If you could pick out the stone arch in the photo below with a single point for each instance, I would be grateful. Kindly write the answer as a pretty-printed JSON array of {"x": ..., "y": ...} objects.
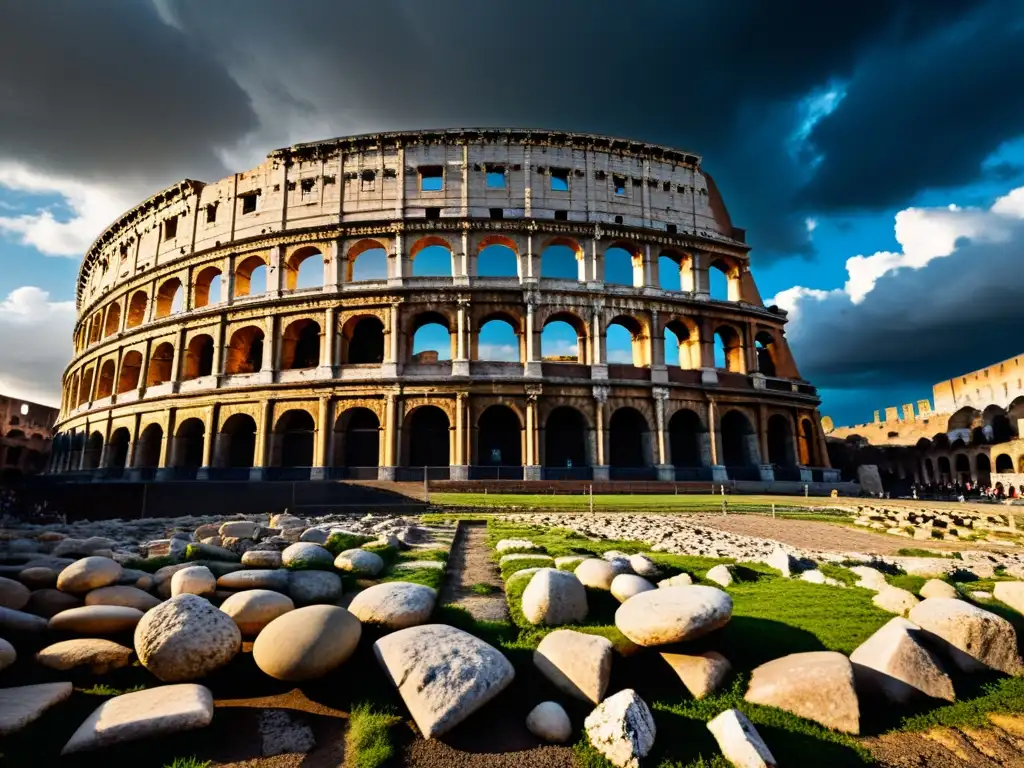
[
  {"x": 105, "y": 385},
  {"x": 731, "y": 271},
  {"x": 300, "y": 344},
  {"x": 941, "y": 441},
  {"x": 499, "y": 437},
  {"x": 496, "y": 256},
  {"x": 929, "y": 471},
  {"x": 244, "y": 273},
  {"x": 294, "y": 273},
  {"x": 426, "y": 437},
  {"x": 964, "y": 418},
  {"x": 729, "y": 349},
  {"x": 432, "y": 241},
  {"x": 137, "y": 309},
  {"x": 113, "y": 321},
  {"x": 576, "y": 323},
  {"x": 204, "y": 284},
  {"x": 160, "y": 362},
  {"x": 808, "y": 443},
  {"x": 93, "y": 451},
  {"x": 962, "y": 464},
  {"x": 638, "y": 336},
  {"x": 1004, "y": 463},
  {"x": 364, "y": 259},
  {"x": 430, "y": 320},
  {"x": 147, "y": 452},
  {"x": 169, "y": 297},
  {"x": 236, "y": 442},
  {"x": 245, "y": 351},
  {"x": 680, "y": 265},
  {"x": 566, "y": 436},
  {"x": 362, "y": 340},
  {"x": 687, "y": 439},
  {"x": 764, "y": 344},
  {"x": 294, "y": 438},
  {"x": 357, "y": 438},
  {"x": 198, "y": 357},
  {"x": 508, "y": 344},
  {"x": 117, "y": 450},
  {"x": 85, "y": 391},
  {"x": 189, "y": 439},
  {"x": 96, "y": 327},
  {"x": 71, "y": 396},
  {"x": 131, "y": 371},
  {"x": 739, "y": 440},
  {"x": 1015, "y": 412},
  {"x": 556, "y": 259},
  {"x": 684, "y": 333},
  {"x": 997, "y": 424},
  {"x": 983, "y": 466},
  {"x": 629, "y": 439},
  {"x": 780, "y": 441}
]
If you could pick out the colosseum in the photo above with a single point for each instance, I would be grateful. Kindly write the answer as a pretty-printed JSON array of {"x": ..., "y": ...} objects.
[{"x": 277, "y": 324}]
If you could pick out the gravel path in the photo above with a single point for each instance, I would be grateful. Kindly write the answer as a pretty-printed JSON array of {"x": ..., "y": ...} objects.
[{"x": 470, "y": 563}]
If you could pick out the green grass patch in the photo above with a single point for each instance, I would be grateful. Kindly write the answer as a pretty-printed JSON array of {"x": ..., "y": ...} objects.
[
  {"x": 149, "y": 564},
  {"x": 101, "y": 689},
  {"x": 189, "y": 762},
  {"x": 338, "y": 542},
  {"x": 368, "y": 742},
  {"x": 914, "y": 552},
  {"x": 507, "y": 569},
  {"x": 431, "y": 577},
  {"x": 438, "y": 555},
  {"x": 906, "y": 581},
  {"x": 482, "y": 588},
  {"x": 1006, "y": 696},
  {"x": 843, "y": 575},
  {"x": 657, "y": 503}
]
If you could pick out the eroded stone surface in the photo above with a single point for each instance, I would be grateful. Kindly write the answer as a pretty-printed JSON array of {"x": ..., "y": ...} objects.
[
  {"x": 895, "y": 662},
  {"x": 817, "y": 685},
  {"x": 394, "y": 604},
  {"x": 739, "y": 741},
  {"x": 578, "y": 664},
  {"x": 24, "y": 704},
  {"x": 554, "y": 597},
  {"x": 972, "y": 637},
  {"x": 186, "y": 638},
  {"x": 673, "y": 614},
  {"x": 307, "y": 643},
  {"x": 99, "y": 655},
  {"x": 622, "y": 729}
]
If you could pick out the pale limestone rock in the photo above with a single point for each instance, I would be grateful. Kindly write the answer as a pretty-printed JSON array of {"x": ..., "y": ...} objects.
[
  {"x": 701, "y": 673},
  {"x": 261, "y": 558},
  {"x": 817, "y": 685},
  {"x": 895, "y": 600},
  {"x": 276, "y": 580},
  {"x": 1011, "y": 593},
  {"x": 96, "y": 619},
  {"x": 442, "y": 674},
  {"x": 642, "y": 565},
  {"x": 196, "y": 580},
  {"x": 506, "y": 544},
  {"x": 307, "y": 643},
  {"x": 578, "y": 664},
  {"x": 622, "y": 729},
  {"x": 100, "y": 656},
  {"x": 239, "y": 529},
  {"x": 8, "y": 655},
  {"x": 13, "y": 594},
  {"x": 596, "y": 574},
  {"x": 253, "y": 609},
  {"x": 548, "y": 721},
  {"x": 186, "y": 638},
  {"x": 938, "y": 588},
  {"x": 310, "y": 587},
  {"x": 893, "y": 661},
  {"x": 144, "y": 714},
  {"x": 88, "y": 574},
  {"x": 359, "y": 562},
  {"x": 739, "y": 741},
  {"x": 394, "y": 604},
  {"x": 721, "y": 575},
  {"x": 525, "y": 573},
  {"x": 679, "y": 580},
  {"x": 626, "y": 585},
  {"x": 305, "y": 555},
  {"x": 973, "y": 638},
  {"x": 813, "y": 576},
  {"x": 673, "y": 615},
  {"x": 205, "y": 531},
  {"x": 554, "y": 597},
  {"x": 25, "y": 704},
  {"x": 129, "y": 597},
  {"x": 781, "y": 560}
]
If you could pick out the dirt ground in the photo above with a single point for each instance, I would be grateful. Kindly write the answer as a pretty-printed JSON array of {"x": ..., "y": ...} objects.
[{"x": 470, "y": 563}]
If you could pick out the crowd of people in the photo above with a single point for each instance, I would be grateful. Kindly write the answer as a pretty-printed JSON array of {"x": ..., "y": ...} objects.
[{"x": 967, "y": 491}]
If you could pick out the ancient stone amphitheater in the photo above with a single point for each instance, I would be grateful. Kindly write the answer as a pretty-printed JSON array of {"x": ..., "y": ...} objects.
[{"x": 275, "y": 324}]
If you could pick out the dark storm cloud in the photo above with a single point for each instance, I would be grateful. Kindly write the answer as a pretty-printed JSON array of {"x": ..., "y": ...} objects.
[{"x": 105, "y": 90}]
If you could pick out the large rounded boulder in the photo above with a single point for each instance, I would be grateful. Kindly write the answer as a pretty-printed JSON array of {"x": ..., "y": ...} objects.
[
  {"x": 186, "y": 638},
  {"x": 307, "y": 643},
  {"x": 312, "y": 587},
  {"x": 304, "y": 556},
  {"x": 596, "y": 573},
  {"x": 673, "y": 614},
  {"x": 253, "y": 609},
  {"x": 394, "y": 604},
  {"x": 88, "y": 574},
  {"x": 554, "y": 597},
  {"x": 359, "y": 562},
  {"x": 129, "y": 597}
]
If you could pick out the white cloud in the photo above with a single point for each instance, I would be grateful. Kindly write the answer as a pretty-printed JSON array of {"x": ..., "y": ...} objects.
[
  {"x": 501, "y": 353},
  {"x": 811, "y": 223},
  {"x": 35, "y": 334}
]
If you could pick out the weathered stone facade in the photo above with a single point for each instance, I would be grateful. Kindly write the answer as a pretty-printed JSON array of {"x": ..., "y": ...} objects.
[
  {"x": 323, "y": 381},
  {"x": 26, "y": 429}
]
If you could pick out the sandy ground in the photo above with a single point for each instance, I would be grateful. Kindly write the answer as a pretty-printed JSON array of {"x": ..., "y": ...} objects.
[{"x": 470, "y": 563}]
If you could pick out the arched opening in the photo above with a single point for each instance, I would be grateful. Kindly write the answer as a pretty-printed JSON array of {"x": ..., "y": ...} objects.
[
  {"x": 432, "y": 340},
  {"x": 93, "y": 451},
  {"x": 301, "y": 270},
  {"x": 113, "y": 323},
  {"x": 431, "y": 257},
  {"x": 357, "y": 440},
  {"x": 188, "y": 444},
  {"x": 367, "y": 260},
  {"x": 236, "y": 443},
  {"x": 85, "y": 390},
  {"x": 984, "y": 468},
  {"x": 499, "y": 438},
  {"x": 764, "y": 344},
  {"x": 198, "y": 357},
  {"x": 964, "y": 419},
  {"x": 1014, "y": 414},
  {"x": 780, "y": 444},
  {"x": 565, "y": 439},
  {"x": 427, "y": 437},
  {"x": 131, "y": 371},
  {"x": 117, "y": 452},
  {"x": 363, "y": 341},
  {"x": 669, "y": 273},
  {"x": 929, "y": 471},
  {"x": 147, "y": 452},
  {"x": 137, "y": 309},
  {"x": 682, "y": 345},
  {"x": 728, "y": 349},
  {"x": 629, "y": 441},
  {"x": 618, "y": 266},
  {"x": 963, "y": 468},
  {"x": 300, "y": 345},
  {"x": 997, "y": 424},
  {"x": 561, "y": 260},
  {"x": 160, "y": 362},
  {"x": 250, "y": 276},
  {"x": 563, "y": 339},
  {"x": 245, "y": 351},
  {"x": 941, "y": 441},
  {"x": 294, "y": 432},
  {"x": 979, "y": 436},
  {"x": 1003, "y": 463},
  {"x": 207, "y": 288},
  {"x": 105, "y": 386},
  {"x": 686, "y": 442},
  {"x": 497, "y": 260},
  {"x": 723, "y": 281},
  {"x": 498, "y": 341},
  {"x": 626, "y": 341},
  {"x": 945, "y": 472},
  {"x": 739, "y": 446},
  {"x": 808, "y": 444},
  {"x": 169, "y": 299},
  {"x": 95, "y": 327}
]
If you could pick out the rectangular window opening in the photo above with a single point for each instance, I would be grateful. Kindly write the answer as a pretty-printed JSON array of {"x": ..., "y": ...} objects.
[
  {"x": 171, "y": 228},
  {"x": 431, "y": 178},
  {"x": 559, "y": 179},
  {"x": 306, "y": 187},
  {"x": 672, "y": 229},
  {"x": 561, "y": 216},
  {"x": 620, "y": 184},
  {"x": 124, "y": 251},
  {"x": 367, "y": 181},
  {"x": 618, "y": 219},
  {"x": 433, "y": 213},
  {"x": 497, "y": 213},
  {"x": 249, "y": 203},
  {"x": 495, "y": 177},
  {"x": 211, "y": 213}
]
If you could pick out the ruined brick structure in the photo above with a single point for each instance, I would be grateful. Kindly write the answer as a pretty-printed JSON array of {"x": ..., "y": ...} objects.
[
  {"x": 187, "y": 364},
  {"x": 26, "y": 429}
]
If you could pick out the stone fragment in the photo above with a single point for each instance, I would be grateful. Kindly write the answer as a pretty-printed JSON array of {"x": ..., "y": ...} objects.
[
  {"x": 239, "y": 529},
  {"x": 38, "y": 577},
  {"x": 701, "y": 673},
  {"x": 261, "y": 558},
  {"x": 253, "y": 609},
  {"x": 186, "y": 638},
  {"x": 394, "y": 604},
  {"x": 285, "y": 520},
  {"x": 720, "y": 574},
  {"x": 554, "y": 597},
  {"x": 548, "y": 721},
  {"x": 894, "y": 662},
  {"x": 782, "y": 561},
  {"x": 88, "y": 574},
  {"x": 304, "y": 555},
  {"x": 307, "y": 643},
  {"x": 739, "y": 741},
  {"x": 509, "y": 544},
  {"x": 642, "y": 565},
  {"x": 8, "y": 655},
  {"x": 972, "y": 637},
  {"x": 144, "y": 714},
  {"x": 282, "y": 733},
  {"x": 13, "y": 594},
  {"x": 626, "y": 585},
  {"x": 129, "y": 597},
  {"x": 673, "y": 615},
  {"x": 96, "y": 619},
  {"x": 82, "y": 547},
  {"x": 309, "y": 587},
  {"x": 520, "y": 575},
  {"x": 49, "y": 602},
  {"x": 679, "y": 580},
  {"x": 938, "y": 588},
  {"x": 314, "y": 535},
  {"x": 206, "y": 530},
  {"x": 622, "y": 729},
  {"x": 578, "y": 664},
  {"x": 442, "y": 674},
  {"x": 813, "y": 576},
  {"x": 359, "y": 562},
  {"x": 25, "y": 704},
  {"x": 99, "y": 655},
  {"x": 1011, "y": 593},
  {"x": 895, "y": 600},
  {"x": 596, "y": 573},
  {"x": 817, "y": 685},
  {"x": 208, "y": 551},
  {"x": 276, "y": 580},
  {"x": 196, "y": 580}
]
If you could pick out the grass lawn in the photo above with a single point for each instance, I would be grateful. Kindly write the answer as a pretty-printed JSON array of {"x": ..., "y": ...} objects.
[
  {"x": 367, "y": 741},
  {"x": 621, "y": 502}
]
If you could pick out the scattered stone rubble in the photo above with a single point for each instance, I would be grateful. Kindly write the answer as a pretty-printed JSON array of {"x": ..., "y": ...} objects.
[{"x": 924, "y": 524}]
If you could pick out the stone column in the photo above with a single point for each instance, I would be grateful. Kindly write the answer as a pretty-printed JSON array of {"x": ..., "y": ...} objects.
[
  {"x": 270, "y": 357},
  {"x": 666, "y": 472},
  {"x": 600, "y": 400},
  {"x": 460, "y": 469},
  {"x": 533, "y": 358},
  {"x": 461, "y": 273},
  {"x": 320, "y": 458},
  {"x": 328, "y": 342},
  {"x": 227, "y": 281},
  {"x": 275, "y": 273},
  {"x": 332, "y": 268},
  {"x": 391, "y": 366},
  {"x": 460, "y": 365},
  {"x": 386, "y": 471},
  {"x": 819, "y": 438},
  {"x": 396, "y": 273},
  {"x": 531, "y": 468},
  {"x": 263, "y": 442},
  {"x": 598, "y": 342},
  {"x": 166, "y": 460},
  {"x": 209, "y": 441},
  {"x": 718, "y": 473},
  {"x": 701, "y": 284},
  {"x": 179, "y": 353}
]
